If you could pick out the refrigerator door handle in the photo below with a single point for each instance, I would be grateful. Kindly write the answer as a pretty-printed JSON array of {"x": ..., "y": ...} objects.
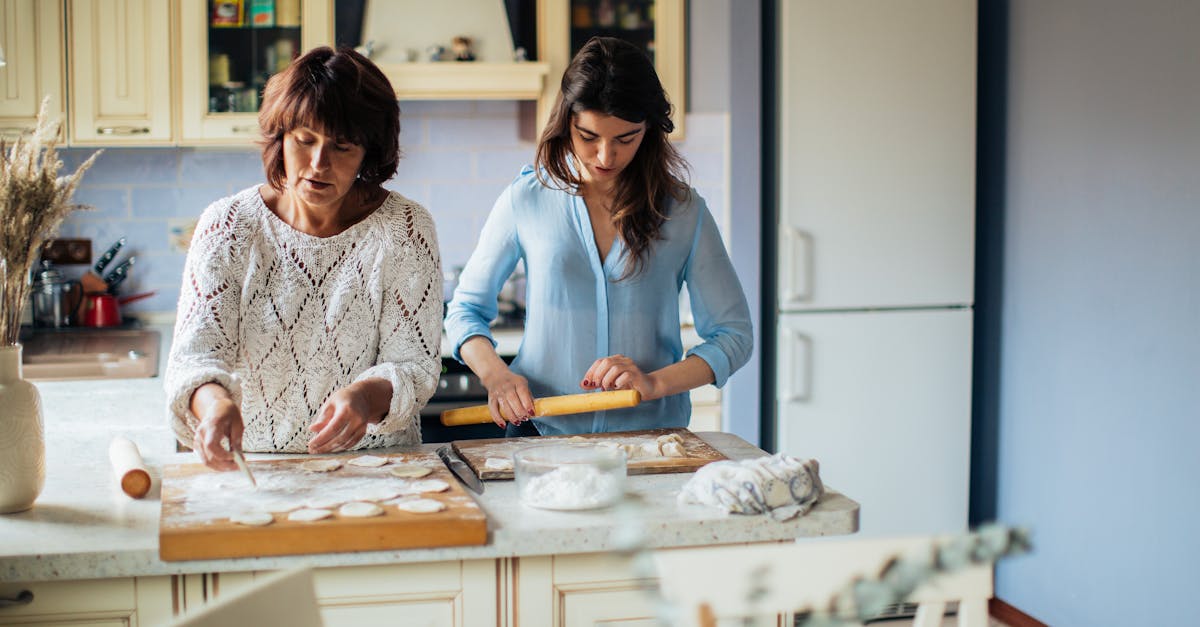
[
  {"x": 797, "y": 384},
  {"x": 797, "y": 271}
]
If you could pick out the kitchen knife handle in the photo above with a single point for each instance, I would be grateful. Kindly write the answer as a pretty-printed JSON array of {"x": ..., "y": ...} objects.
[
  {"x": 549, "y": 406},
  {"x": 120, "y": 273},
  {"x": 107, "y": 257},
  {"x": 128, "y": 467}
]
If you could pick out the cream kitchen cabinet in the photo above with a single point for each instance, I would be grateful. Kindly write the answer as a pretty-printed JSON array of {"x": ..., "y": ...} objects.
[
  {"x": 98, "y": 602},
  {"x": 449, "y": 594},
  {"x": 31, "y": 35},
  {"x": 119, "y": 72},
  {"x": 659, "y": 26},
  {"x": 223, "y": 67},
  {"x": 706, "y": 409},
  {"x": 582, "y": 590}
]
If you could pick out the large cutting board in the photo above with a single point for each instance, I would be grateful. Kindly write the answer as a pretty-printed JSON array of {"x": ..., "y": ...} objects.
[
  {"x": 196, "y": 504},
  {"x": 476, "y": 452}
]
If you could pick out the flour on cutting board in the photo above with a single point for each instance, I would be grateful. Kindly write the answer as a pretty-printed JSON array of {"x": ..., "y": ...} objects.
[
  {"x": 498, "y": 455},
  {"x": 209, "y": 497}
]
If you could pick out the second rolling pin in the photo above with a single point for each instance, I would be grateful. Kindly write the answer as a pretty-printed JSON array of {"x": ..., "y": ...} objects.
[
  {"x": 130, "y": 470},
  {"x": 549, "y": 406}
]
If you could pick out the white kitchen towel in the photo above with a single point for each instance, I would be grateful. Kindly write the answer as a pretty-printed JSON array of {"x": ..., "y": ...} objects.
[{"x": 781, "y": 485}]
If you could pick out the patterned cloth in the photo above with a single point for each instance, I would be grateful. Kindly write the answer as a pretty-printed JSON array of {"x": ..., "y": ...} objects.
[
  {"x": 780, "y": 485},
  {"x": 283, "y": 319}
]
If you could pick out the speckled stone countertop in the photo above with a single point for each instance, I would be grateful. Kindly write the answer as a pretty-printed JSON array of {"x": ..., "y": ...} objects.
[{"x": 82, "y": 526}]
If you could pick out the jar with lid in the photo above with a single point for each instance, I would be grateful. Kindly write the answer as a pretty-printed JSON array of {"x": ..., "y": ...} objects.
[{"x": 55, "y": 298}]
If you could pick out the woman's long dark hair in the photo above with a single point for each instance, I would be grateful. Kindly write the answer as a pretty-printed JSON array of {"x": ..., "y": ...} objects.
[{"x": 614, "y": 77}]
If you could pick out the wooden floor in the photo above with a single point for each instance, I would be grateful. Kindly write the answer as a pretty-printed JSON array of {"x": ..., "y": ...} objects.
[{"x": 949, "y": 621}]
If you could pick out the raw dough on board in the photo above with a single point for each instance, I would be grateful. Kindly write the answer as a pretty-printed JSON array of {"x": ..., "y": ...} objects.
[
  {"x": 360, "y": 509},
  {"x": 498, "y": 463},
  {"x": 421, "y": 506},
  {"x": 410, "y": 471},
  {"x": 309, "y": 515},
  {"x": 253, "y": 519},
  {"x": 321, "y": 465},
  {"x": 368, "y": 461}
]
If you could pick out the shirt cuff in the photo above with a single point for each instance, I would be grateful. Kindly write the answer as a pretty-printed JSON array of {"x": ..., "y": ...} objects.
[{"x": 716, "y": 359}]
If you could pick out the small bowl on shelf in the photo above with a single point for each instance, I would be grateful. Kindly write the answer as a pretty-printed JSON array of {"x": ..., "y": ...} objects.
[{"x": 572, "y": 476}]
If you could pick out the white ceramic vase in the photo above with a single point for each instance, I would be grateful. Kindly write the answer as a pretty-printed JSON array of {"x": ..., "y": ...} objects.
[{"x": 22, "y": 440}]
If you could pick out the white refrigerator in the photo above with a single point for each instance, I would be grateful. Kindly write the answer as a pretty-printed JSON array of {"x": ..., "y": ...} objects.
[{"x": 876, "y": 169}]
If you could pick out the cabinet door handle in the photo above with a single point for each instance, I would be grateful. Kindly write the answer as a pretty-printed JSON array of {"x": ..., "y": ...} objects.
[
  {"x": 24, "y": 597},
  {"x": 797, "y": 387},
  {"x": 123, "y": 130},
  {"x": 252, "y": 128},
  {"x": 15, "y": 130},
  {"x": 797, "y": 267}
]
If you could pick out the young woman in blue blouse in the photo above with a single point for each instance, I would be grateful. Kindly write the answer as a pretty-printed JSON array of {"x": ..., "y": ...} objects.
[{"x": 609, "y": 232}]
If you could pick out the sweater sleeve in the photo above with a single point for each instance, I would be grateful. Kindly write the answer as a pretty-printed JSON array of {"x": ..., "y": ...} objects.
[
  {"x": 410, "y": 323},
  {"x": 205, "y": 343},
  {"x": 718, "y": 301}
]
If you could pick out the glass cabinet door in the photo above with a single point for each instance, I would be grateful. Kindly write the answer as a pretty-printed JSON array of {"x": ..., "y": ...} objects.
[
  {"x": 631, "y": 20},
  {"x": 655, "y": 26},
  {"x": 230, "y": 48}
]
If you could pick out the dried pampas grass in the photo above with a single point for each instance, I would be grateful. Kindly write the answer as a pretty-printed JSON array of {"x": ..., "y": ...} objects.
[{"x": 34, "y": 200}]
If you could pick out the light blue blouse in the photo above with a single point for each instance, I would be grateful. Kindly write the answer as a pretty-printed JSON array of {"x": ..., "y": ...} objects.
[{"x": 577, "y": 311}]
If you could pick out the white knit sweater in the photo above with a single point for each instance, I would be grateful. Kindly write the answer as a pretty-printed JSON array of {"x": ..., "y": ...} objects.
[{"x": 283, "y": 319}]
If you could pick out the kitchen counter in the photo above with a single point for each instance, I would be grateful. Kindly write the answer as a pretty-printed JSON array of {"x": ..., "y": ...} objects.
[{"x": 83, "y": 527}]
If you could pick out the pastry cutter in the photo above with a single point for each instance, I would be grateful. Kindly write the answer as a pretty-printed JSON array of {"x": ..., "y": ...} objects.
[{"x": 549, "y": 406}]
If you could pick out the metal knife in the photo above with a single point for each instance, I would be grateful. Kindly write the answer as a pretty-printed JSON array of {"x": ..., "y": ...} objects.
[
  {"x": 107, "y": 257},
  {"x": 118, "y": 274},
  {"x": 241, "y": 463},
  {"x": 460, "y": 469}
]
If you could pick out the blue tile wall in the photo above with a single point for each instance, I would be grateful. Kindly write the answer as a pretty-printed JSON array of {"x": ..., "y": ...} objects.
[{"x": 458, "y": 156}]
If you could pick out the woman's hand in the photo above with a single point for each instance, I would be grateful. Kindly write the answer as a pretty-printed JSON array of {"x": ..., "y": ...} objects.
[
  {"x": 508, "y": 394},
  {"x": 343, "y": 417},
  {"x": 618, "y": 372},
  {"x": 220, "y": 422}
]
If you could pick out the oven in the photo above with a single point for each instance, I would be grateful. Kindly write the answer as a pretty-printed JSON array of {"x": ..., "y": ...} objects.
[{"x": 457, "y": 387}]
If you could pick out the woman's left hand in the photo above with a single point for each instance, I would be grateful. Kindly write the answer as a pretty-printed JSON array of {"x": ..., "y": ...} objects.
[
  {"x": 618, "y": 372},
  {"x": 341, "y": 422}
]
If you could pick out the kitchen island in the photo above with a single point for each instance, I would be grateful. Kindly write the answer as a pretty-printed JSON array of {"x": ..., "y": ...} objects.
[{"x": 87, "y": 550}]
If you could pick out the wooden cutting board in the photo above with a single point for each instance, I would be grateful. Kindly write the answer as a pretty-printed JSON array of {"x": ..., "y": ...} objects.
[
  {"x": 476, "y": 452},
  {"x": 197, "y": 503}
]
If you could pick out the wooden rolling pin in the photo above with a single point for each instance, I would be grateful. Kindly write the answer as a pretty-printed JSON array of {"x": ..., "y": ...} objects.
[
  {"x": 128, "y": 467},
  {"x": 549, "y": 406}
]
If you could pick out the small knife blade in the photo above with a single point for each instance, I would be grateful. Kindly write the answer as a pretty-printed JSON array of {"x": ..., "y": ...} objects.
[
  {"x": 460, "y": 469},
  {"x": 241, "y": 464}
]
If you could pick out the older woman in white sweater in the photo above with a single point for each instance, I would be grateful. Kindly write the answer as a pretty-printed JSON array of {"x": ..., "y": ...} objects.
[{"x": 311, "y": 307}]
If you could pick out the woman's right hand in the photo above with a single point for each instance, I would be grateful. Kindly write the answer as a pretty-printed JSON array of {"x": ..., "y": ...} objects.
[
  {"x": 220, "y": 422},
  {"x": 508, "y": 394}
]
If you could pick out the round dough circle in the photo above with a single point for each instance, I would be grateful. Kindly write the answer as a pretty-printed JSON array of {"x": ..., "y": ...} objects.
[
  {"x": 498, "y": 463},
  {"x": 428, "y": 485},
  {"x": 325, "y": 501},
  {"x": 410, "y": 471},
  {"x": 253, "y": 519},
  {"x": 368, "y": 461},
  {"x": 321, "y": 465},
  {"x": 421, "y": 506},
  {"x": 309, "y": 515},
  {"x": 360, "y": 509}
]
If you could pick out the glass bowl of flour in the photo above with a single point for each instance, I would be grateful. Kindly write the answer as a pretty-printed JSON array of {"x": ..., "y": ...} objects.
[{"x": 569, "y": 476}]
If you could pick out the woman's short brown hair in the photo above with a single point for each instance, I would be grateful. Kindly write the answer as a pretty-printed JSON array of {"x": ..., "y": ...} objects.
[{"x": 342, "y": 93}]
